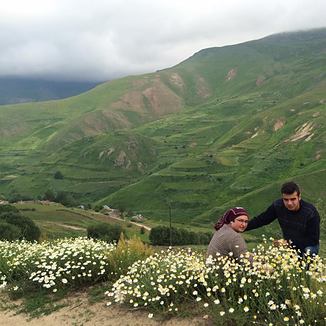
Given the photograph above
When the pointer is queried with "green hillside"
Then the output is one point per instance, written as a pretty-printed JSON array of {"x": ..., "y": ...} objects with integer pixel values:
[{"x": 227, "y": 126}]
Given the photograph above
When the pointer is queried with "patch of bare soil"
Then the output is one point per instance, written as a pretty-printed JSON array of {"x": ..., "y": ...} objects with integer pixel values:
[
  {"x": 278, "y": 124},
  {"x": 318, "y": 155},
  {"x": 80, "y": 312},
  {"x": 66, "y": 226},
  {"x": 156, "y": 99},
  {"x": 161, "y": 99},
  {"x": 260, "y": 80},
  {"x": 231, "y": 74},
  {"x": 176, "y": 80},
  {"x": 202, "y": 88},
  {"x": 305, "y": 131}
]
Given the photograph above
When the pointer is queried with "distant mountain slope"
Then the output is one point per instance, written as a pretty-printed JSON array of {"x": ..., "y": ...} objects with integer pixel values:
[
  {"x": 20, "y": 90},
  {"x": 225, "y": 127}
]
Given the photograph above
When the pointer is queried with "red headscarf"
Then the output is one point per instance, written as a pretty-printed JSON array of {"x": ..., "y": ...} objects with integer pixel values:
[{"x": 229, "y": 216}]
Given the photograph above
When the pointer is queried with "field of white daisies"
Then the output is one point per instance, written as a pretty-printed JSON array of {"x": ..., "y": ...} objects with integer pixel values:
[{"x": 274, "y": 287}]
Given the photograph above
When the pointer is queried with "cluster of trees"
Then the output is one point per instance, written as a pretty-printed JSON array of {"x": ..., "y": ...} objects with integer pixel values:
[
  {"x": 164, "y": 236},
  {"x": 14, "y": 197},
  {"x": 105, "y": 232},
  {"x": 15, "y": 226},
  {"x": 62, "y": 197}
]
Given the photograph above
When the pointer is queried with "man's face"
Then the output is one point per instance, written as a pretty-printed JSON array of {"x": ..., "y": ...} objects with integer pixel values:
[
  {"x": 291, "y": 202},
  {"x": 240, "y": 223}
]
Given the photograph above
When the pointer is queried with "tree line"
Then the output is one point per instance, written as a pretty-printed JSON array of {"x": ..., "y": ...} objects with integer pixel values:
[{"x": 158, "y": 236}]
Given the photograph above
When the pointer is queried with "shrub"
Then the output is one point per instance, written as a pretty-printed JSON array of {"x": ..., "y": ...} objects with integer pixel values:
[
  {"x": 105, "y": 232},
  {"x": 9, "y": 231},
  {"x": 97, "y": 208},
  {"x": 28, "y": 229},
  {"x": 204, "y": 238},
  {"x": 126, "y": 253},
  {"x": 8, "y": 208},
  {"x": 58, "y": 175},
  {"x": 49, "y": 195},
  {"x": 160, "y": 235}
]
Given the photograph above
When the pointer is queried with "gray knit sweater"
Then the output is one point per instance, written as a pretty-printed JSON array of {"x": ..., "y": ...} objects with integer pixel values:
[{"x": 226, "y": 240}]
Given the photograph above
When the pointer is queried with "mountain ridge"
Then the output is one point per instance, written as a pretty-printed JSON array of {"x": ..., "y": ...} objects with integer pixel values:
[{"x": 210, "y": 131}]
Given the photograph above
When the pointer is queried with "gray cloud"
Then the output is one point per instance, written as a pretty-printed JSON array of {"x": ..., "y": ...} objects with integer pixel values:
[{"x": 100, "y": 40}]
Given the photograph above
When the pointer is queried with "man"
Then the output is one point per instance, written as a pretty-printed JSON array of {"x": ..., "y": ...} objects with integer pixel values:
[{"x": 298, "y": 219}]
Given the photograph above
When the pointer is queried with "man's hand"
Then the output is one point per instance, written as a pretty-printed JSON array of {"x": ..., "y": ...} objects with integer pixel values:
[{"x": 280, "y": 243}]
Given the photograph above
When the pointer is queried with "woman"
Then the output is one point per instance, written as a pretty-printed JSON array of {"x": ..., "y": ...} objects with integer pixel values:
[{"x": 227, "y": 238}]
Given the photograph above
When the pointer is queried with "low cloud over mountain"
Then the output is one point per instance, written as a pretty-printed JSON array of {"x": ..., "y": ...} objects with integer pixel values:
[{"x": 101, "y": 40}]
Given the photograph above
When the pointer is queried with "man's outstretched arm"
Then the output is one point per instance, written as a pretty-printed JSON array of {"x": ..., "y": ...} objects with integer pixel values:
[{"x": 262, "y": 219}]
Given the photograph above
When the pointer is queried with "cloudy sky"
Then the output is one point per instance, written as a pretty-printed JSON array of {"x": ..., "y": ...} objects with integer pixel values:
[{"x": 105, "y": 39}]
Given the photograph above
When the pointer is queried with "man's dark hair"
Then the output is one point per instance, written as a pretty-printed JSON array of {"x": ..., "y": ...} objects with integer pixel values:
[{"x": 289, "y": 188}]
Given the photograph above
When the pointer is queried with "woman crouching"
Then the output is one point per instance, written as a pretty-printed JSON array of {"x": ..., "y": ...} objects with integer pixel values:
[{"x": 227, "y": 240}]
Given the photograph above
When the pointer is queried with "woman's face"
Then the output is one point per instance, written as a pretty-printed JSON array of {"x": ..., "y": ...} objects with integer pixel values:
[{"x": 240, "y": 223}]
